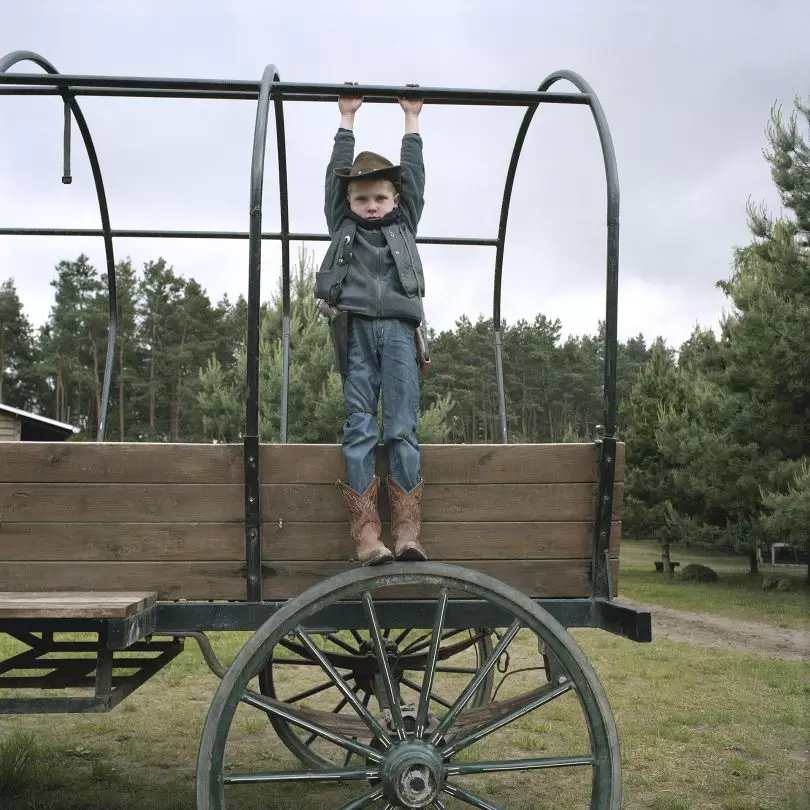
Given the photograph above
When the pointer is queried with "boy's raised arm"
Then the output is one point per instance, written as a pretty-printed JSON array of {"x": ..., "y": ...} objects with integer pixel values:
[
  {"x": 412, "y": 193},
  {"x": 335, "y": 203}
]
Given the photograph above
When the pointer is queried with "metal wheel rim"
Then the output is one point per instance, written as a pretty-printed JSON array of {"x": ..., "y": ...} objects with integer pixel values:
[{"x": 605, "y": 761}]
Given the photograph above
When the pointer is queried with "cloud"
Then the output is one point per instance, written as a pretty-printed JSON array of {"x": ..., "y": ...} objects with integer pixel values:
[{"x": 687, "y": 94}]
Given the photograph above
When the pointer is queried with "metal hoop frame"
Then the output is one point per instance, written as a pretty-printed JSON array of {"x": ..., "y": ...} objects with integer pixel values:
[{"x": 272, "y": 88}]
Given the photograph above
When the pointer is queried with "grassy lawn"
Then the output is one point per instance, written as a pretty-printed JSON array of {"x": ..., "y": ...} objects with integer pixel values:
[{"x": 736, "y": 594}]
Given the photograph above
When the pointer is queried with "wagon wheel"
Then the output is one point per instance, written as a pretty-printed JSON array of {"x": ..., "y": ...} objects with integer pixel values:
[
  {"x": 294, "y": 676},
  {"x": 454, "y": 758}
]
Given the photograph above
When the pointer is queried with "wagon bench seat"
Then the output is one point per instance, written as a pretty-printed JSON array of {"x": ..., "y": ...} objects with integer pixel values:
[
  {"x": 74, "y": 604},
  {"x": 169, "y": 518}
]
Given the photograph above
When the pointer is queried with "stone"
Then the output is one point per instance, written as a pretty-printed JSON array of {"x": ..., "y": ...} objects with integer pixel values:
[{"x": 695, "y": 572}]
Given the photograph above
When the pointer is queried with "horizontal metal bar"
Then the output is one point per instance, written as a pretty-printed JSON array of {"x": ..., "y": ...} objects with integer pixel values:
[
  {"x": 139, "y": 233},
  {"x": 181, "y": 617},
  {"x": 290, "y": 91},
  {"x": 415, "y": 613},
  {"x": 222, "y": 95}
]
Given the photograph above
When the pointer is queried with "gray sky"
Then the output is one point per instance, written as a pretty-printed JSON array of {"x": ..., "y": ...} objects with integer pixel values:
[{"x": 687, "y": 93}]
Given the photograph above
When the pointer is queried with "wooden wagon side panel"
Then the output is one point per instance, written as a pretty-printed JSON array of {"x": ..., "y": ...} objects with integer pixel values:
[{"x": 170, "y": 517}]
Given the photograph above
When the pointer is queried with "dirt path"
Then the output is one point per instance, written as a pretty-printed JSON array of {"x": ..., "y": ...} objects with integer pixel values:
[{"x": 715, "y": 631}]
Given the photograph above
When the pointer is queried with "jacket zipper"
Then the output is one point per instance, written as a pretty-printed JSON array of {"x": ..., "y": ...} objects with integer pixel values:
[
  {"x": 343, "y": 242},
  {"x": 378, "y": 274}
]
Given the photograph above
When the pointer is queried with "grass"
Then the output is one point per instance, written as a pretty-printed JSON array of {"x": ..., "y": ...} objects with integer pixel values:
[
  {"x": 17, "y": 761},
  {"x": 736, "y": 594},
  {"x": 699, "y": 728}
]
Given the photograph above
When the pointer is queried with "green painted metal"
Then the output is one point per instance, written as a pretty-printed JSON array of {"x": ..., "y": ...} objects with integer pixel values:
[
  {"x": 363, "y": 669},
  {"x": 413, "y": 761}
]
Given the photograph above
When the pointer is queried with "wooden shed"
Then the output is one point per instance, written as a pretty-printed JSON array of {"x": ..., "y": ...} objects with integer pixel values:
[{"x": 22, "y": 426}]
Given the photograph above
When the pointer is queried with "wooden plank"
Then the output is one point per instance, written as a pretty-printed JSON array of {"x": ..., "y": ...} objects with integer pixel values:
[
  {"x": 222, "y": 580},
  {"x": 223, "y": 503},
  {"x": 122, "y": 503},
  {"x": 155, "y": 463},
  {"x": 10, "y": 428},
  {"x": 446, "y": 502},
  {"x": 290, "y": 541},
  {"x": 446, "y": 463},
  {"x": 73, "y": 604},
  {"x": 124, "y": 462}
]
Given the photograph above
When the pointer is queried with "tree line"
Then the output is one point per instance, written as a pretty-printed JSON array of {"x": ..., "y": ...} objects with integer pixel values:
[{"x": 717, "y": 429}]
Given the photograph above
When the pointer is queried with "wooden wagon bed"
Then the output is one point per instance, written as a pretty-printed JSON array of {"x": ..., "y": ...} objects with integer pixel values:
[{"x": 169, "y": 518}]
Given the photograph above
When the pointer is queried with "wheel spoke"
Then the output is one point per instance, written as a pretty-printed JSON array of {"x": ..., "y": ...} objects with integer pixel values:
[
  {"x": 298, "y": 662},
  {"x": 313, "y": 691},
  {"x": 458, "y": 670},
  {"x": 385, "y": 669},
  {"x": 470, "y": 798},
  {"x": 357, "y": 637},
  {"x": 430, "y": 665},
  {"x": 259, "y": 702},
  {"x": 476, "y": 682},
  {"x": 402, "y": 636},
  {"x": 439, "y": 804},
  {"x": 336, "y": 640},
  {"x": 426, "y": 640},
  {"x": 505, "y": 719},
  {"x": 348, "y": 694},
  {"x": 366, "y": 800},
  {"x": 469, "y": 768},
  {"x": 433, "y": 696},
  {"x": 324, "y": 775}
]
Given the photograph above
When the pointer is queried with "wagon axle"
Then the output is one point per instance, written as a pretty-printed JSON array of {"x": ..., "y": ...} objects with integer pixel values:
[{"x": 412, "y": 774}]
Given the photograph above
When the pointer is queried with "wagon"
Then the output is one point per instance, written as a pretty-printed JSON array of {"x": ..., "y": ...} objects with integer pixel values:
[{"x": 383, "y": 682}]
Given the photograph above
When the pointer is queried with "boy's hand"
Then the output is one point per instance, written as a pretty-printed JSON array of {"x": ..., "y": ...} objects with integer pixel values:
[
  {"x": 348, "y": 105},
  {"x": 411, "y": 106}
]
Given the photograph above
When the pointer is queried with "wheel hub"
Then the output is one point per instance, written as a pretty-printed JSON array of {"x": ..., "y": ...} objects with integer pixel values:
[{"x": 412, "y": 774}]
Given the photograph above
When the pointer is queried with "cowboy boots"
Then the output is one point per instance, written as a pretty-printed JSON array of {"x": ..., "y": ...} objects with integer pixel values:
[
  {"x": 406, "y": 520},
  {"x": 364, "y": 523}
]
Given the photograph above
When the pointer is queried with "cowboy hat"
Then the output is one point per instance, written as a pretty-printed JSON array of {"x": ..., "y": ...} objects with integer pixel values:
[{"x": 370, "y": 166}]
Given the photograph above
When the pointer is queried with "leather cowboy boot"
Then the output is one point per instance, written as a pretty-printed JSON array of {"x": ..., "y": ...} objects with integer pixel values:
[
  {"x": 406, "y": 520},
  {"x": 364, "y": 523}
]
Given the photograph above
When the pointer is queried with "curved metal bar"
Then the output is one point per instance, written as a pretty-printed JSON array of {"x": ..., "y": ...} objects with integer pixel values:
[
  {"x": 8, "y": 61},
  {"x": 601, "y": 564},
  {"x": 253, "y": 558},
  {"x": 281, "y": 148},
  {"x": 612, "y": 177}
]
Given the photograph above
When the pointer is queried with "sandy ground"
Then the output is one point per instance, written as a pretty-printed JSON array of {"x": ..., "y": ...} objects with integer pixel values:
[{"x": 715, "y": 631}]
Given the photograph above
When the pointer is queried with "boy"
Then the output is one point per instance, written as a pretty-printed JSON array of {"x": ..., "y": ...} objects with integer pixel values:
[{"x": 371, "y": 285}]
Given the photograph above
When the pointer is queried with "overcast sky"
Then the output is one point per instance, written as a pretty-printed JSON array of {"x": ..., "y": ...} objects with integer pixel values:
[{"x": 687, "y": 89}]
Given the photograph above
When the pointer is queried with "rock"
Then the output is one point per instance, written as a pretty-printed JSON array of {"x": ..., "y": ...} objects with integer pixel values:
[
  {"x": 694, "y": 572},
  {"x": 784, "y": 584}
]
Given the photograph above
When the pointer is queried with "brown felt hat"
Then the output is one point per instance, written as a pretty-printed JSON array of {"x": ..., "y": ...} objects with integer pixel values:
[{"x": 371, "y": 166}]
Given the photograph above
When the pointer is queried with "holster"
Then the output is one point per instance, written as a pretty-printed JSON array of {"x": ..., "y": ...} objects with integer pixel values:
[
  {"x": 422, "y": 359},
  {"x": 339, "y": 331}
]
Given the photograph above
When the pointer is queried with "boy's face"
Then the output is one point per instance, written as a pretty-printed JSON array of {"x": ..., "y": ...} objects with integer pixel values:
[{"x": 372, "y": 199}]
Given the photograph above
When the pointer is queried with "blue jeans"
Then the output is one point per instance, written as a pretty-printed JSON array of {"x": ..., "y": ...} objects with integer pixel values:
[{"x": 382, "y": 360}]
